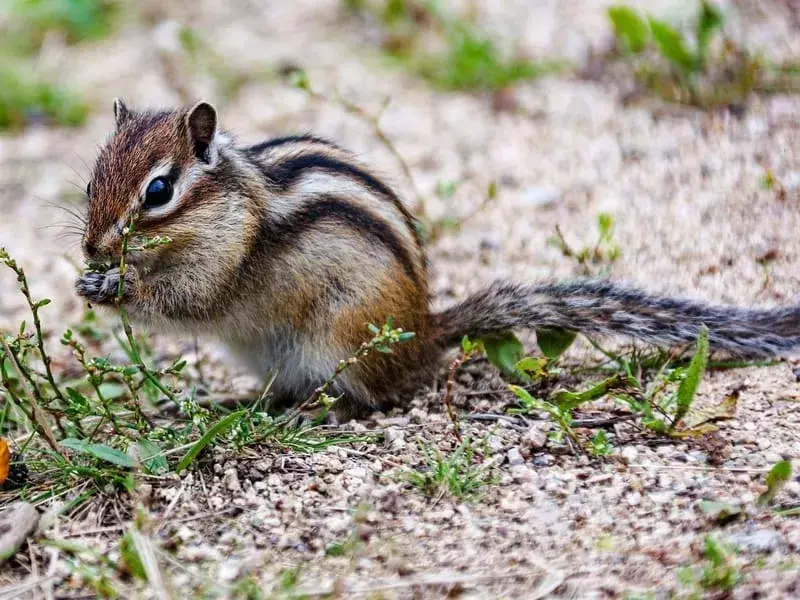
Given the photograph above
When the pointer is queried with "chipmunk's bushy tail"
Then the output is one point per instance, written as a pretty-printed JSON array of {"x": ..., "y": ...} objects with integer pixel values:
[{"x": 604, "y": 308}]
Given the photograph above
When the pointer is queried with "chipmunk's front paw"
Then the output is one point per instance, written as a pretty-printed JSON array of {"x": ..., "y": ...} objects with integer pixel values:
[{"x": 102, "y": 288}]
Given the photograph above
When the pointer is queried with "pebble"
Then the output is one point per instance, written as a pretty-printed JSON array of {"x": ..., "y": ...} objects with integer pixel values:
[
  {"x": 662, "y": 497},
  {"x": 17, "y": 523},
  {"x": 633, "y": 499},
  {"x": 514, "y": 457},
  {"x": 539, "y": 195},
  {"x": 534, "y": 439},
  {"x": 231, "y": 480},
  {"x": 629, "y": 454},
  {"x": 759, "y": 541},
  {"x": 543, "y": 460},
  {"x": 522, "y": 473}
]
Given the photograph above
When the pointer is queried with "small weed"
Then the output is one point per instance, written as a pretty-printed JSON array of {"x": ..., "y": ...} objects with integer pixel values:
[
  {"x": 769, "y": 181},
  {"x": 778, "y": 476},
  {"x": 26, "y": 97},
  {"x": 460, "y": 473},
  {"x": 600, "y": 446},
  {"x": 718, "y": 571},
  {"x": 30, "y": 21},
  {"x": 593, "y": 260},
  {"x": 468, "y": 58},
  {"x": 704, "y": 68},
  {"x": 663, "y": 406}
]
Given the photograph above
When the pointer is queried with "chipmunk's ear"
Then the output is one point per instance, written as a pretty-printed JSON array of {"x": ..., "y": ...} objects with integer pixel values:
[
  {"x": 121, "y": 112},
  {"x": 201, "y": 122}
]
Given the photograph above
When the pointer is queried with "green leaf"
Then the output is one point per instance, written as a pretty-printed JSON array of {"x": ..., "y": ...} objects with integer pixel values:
[
  {"x": 100, "y": 451},
  {"x": 629, "y": 27},
  {"x": 335, "y": 549},
  {"x": 535, "y": 368},
  {"x": 600, "y": 445},
  {"x": 688, "y": 387},
  {"x": 78, "y": 401},
  {"x": 491, "y": 191},
  {"x": 553, "y": 342},
  {"x": 566, "y": 400},
  {"x": 130, "y": 557},
  {"x": 708, "y": 22},
  {"x": 605, "y": 223},
  {"x": 777, "y": 477},
  {"x": 151, "y": 457},
  {"x": 672, "y": 46},
  {"x": 504, "y": 352},
  {"x": 219, "y": 427}
]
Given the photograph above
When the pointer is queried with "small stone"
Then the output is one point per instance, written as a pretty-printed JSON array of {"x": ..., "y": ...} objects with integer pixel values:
[
  {"x": 533, "y": 439},
  {"x": 521, "y": 473},
  {"x": 661, "y": 497},
  {"x": 514, "y": 457},
  {"x": 494, "y": 443},
  {"x": 759, "y": 541},
  {"x": 628, "y": 454},
  {"x": 633, "y": 499},
  {"x": 697, "y": 456},
  {"x": 539, "y": 195},
  {"x": 228, "y": 571},
  {"x": 17, "y": 523},
  {"x": 417, "y": 416},
  {"x": 231, "y": 480},
  {"x": 392, "y": 435}
]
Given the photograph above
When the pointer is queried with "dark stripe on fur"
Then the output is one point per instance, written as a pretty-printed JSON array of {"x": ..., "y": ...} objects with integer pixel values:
[
  {"x": 288, "y": 139},
  {"x": 286, "y": 173},
  {"x": 276, "y": 235},
  {"x": 604, "y": 308}
]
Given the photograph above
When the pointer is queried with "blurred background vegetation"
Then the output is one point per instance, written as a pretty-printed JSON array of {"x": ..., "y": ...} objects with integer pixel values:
[{"x": 695, "y": 62}]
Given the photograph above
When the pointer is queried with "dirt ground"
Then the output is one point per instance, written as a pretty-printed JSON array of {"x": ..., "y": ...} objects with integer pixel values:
[{"x": 691, "y": 218}]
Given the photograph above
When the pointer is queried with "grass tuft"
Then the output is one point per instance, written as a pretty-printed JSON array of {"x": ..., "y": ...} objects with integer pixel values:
[
  {"x": 460, "y": 473},
  {"x": 465, "y": 57},
  {"x": 700, "y": 67},
  {"x": 26, "y": 97}
]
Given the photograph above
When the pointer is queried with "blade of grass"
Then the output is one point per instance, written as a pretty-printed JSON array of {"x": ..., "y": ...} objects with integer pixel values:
[{"x": 219, "y": 427}]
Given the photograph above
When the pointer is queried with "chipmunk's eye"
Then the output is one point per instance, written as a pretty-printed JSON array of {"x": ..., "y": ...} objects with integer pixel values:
[
  {"x": 89, "y": 189},
  {"x": 158, "y": 193}
]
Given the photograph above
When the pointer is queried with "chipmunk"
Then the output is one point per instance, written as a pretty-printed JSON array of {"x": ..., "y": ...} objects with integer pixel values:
[{"x": 287, "y": 249}]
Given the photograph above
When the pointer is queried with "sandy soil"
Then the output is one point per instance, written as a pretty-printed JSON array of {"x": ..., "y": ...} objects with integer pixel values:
[{"x": 691, "y": 218}]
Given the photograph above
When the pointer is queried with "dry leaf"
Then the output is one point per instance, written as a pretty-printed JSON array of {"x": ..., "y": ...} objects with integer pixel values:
[{"x": 5, "y": 461}]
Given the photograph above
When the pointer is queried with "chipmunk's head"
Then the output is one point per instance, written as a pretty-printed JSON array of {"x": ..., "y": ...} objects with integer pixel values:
[{"x": 161, "y": 168}]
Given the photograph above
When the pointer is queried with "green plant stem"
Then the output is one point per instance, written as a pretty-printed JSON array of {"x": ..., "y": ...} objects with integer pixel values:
[
  {"x": 126, "y": 324},
  {"x": 36, "y": 393},
  {"x": 448, "y": 391},
  {"x": 343, "y": 365},
  {"x": 34, "y": 308},
  {"x": 36, "y": 410}
]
